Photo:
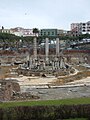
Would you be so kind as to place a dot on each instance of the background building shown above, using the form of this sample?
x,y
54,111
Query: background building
x,y
84,27
61,32
2,30
80,28
48,32
75,31
22,32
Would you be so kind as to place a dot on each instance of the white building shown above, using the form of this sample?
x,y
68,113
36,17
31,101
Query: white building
x,y
5,30
84,27
18,31
80,28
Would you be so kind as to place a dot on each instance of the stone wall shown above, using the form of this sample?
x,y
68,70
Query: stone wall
x,y
8,89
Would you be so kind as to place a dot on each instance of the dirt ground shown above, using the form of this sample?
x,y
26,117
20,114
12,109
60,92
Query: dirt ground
x,y
79,76
82,74
5,71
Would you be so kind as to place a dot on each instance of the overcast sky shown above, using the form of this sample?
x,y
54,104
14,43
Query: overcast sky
x,y
43,13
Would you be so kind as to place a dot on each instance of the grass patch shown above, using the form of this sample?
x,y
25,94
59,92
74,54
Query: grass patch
x,y
74,101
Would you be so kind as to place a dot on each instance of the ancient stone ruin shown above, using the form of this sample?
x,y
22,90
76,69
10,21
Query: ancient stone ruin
x,y
10,90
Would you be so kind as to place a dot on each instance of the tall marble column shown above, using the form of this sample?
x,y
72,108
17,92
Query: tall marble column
x,y
35,48
57,46
47,48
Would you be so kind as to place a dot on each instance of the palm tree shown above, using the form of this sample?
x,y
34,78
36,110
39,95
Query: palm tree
x,y
35,31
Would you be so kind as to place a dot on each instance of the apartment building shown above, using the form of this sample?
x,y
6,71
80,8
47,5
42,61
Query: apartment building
x,y
48,32
74,26
84,27
75,29
80,28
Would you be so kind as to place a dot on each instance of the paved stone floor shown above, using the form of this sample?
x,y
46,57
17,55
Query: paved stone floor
x,y
58,93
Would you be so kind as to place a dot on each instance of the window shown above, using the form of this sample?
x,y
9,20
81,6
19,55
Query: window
x,y
88,24
52,33
41,33
88,30
83,27
83,30
83,24
44,33
48,33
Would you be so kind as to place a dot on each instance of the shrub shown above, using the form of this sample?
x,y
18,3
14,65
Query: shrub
x,y
45,112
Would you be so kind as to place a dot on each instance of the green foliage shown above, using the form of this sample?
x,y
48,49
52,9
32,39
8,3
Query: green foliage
x,y
45,112
7,36
46,102
27,39
35,30
11,38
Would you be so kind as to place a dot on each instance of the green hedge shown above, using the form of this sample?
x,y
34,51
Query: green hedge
x,y
45,112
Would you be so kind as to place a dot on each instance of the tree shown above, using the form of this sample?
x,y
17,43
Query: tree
x,y
35,31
